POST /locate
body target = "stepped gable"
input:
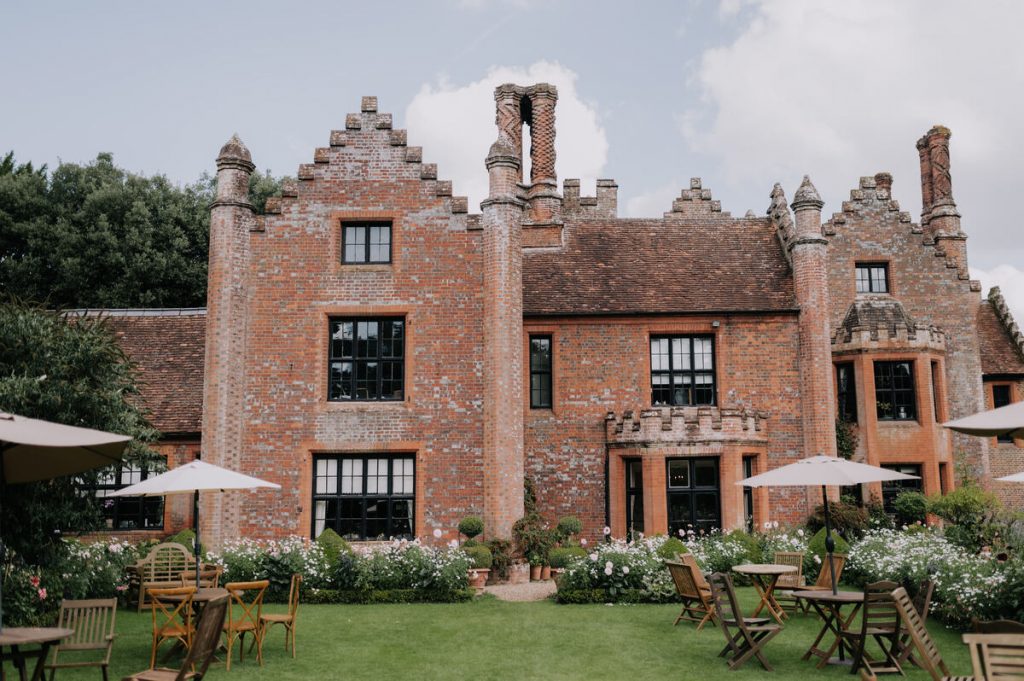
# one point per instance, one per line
(999, 338)
(368, 148)
(168, 346)
(631, 266)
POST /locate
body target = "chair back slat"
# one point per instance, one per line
(929, 655)
(165, 563)
(251, 609)
(724, 597)
(682, 577)
(698, 574)
(93, 622)
(795, 559)
(209, 577)
(293, 595)
(879, 609)
(206, 640)
(923, 598)
(997, 657)
(824, 576)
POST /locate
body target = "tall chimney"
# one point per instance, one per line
(938, 209)
(545, 203)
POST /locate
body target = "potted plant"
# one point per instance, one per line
(560, 558)
(482, 561)
(534, 540)
(536, 566)
(471, 526)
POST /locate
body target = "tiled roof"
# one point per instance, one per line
(617, 266)
(168, 346)
(999, 353)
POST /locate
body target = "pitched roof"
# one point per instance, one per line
(169, 348)
(999, 353)
(630, 266)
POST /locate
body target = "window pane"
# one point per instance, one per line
(380, 243)
(878, 280)
(355, 243)
(402, 518)
(540, 354)
(863, 280)
(659, 354)
(679, 474)
(680, 353)
(705, 473)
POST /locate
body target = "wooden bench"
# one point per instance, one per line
(162, 568)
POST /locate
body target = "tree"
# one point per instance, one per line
(97, 236)
(69, 370)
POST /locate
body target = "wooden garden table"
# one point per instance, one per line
(830, 607)
(12, 638)
(765, 576)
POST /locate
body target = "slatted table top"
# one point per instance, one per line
(764, 569)
(20, 636)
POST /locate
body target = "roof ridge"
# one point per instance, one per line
(136, 311)
(1005, 317)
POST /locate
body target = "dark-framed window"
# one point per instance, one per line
(1001, 398)
(634, 497)
(365, 242)
(694, 500)
(893, 488)
(872, 278)
(682, 370)
(935, 390)
(748, 492)
(365, 497)
(366, 359)
(846, 393)
(894, 391)
(540, 372)
(126, 513)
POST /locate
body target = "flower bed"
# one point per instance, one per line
(617, 571)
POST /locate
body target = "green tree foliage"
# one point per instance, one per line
(96, 235)
(68, 370)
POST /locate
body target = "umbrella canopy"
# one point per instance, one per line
(1016, 477)
(196, 476)
(823, 470)
(1008, 420)
(31, 449)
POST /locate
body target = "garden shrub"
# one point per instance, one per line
(848, 520)
(533, 538)
(562, 556)
(333, 546)
(471, 526)
(620, 570)
(248, 560)
(972, 512)
(671, 548)
(501, 553)
(480, 556)
(186, 538)
(910, 507)
(717, 552)
(568, 527)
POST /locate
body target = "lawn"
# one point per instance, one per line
(491, 639)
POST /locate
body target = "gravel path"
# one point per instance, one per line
(530, 591)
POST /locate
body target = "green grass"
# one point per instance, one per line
(491, 639)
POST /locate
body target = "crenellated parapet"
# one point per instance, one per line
(696, 202)
(686, 425)
(883, 324)
(604, 205)
(368, 146)
(1002, 310)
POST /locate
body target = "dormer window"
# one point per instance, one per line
(366, 242)
(872, 278)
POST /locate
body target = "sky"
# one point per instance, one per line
(742, 93)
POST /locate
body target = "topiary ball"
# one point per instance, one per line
(471, 526)
(480, 555)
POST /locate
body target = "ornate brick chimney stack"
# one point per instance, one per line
(939, 215)
(503, 333)
(231, 216)
(809, 253)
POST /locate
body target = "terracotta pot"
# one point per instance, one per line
(556, 574)
(478, 578)
(535, 571)
(545, 573)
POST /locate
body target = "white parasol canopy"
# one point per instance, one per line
(194, 477)
(33, 449)
(1016, 477)
(1008, 420)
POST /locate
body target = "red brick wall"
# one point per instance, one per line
(1007, 458)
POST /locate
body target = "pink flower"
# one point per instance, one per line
(42, 594)
(608, 571)
(607, 530)
(34, 581)
(625, 569)
(593, 557)
(121, 587)
(682, 532)
(583, 542)
(437, 533)
(609, 565)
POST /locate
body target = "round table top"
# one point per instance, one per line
(764, 569)
(201, 595)
(826, 595)
(18, 636)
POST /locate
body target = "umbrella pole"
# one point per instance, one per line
(195, 525)
(830, 543)
(3, 548)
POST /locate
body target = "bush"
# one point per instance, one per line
(407, 565)
(568, 527)
(848, 520)
(186, 538)
(973, 514)
(471, 526)
(480, 556)
(563, 556)
(910, 507)
(501, 551)
(355, 597)
(671, 548)
(533, 538)
(333, 546)
(249, 560)
(717, 552)
(617, 571)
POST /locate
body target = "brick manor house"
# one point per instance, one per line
(396, 362)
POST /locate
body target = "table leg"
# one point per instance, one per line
(775, 606)
(18, 659)
(837, 624)
(826, 618)
(765, 585)
(40, 671)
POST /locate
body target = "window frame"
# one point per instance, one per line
(1002, 439)
(390, 496)
(355, 360)
(537, 374)
(871, 282)
(690, 492)
(366, 227)
(692, 372)
(116, 505)
(846, 397)
(892, 391)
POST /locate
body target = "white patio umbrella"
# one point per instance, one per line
(825, 471)
(194, 477)
(1008, 420)
(1016, 477)
(33, 450)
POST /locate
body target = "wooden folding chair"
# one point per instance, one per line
(745, 637)
(209, 577)
(698, 575)
(93, 624)
(997, 627)
(697, 605)
(288, 620)
(879, 621)
(997, 657)
(788, 583)
(172, 618)
(922, 641)
(824, 580)
(923, 605)
(249, 620)
(207, 637)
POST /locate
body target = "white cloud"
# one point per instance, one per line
(1010, 281)
(455, 126)
(844, 89)
(657, 201)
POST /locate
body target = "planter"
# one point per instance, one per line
(478, 579)
(545, 573)
(535, 571)
(518, 573)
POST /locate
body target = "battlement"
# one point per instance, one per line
(367, 146)
(686, 425)
(1002, 310)
(696, 202)
(881, 323)
(604, 205)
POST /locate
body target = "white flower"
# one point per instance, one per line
(609, 565)
(799, 533)
(437, 533)
(583, 541)
(608, 571)
(454, 544)
(593, 557)
(681, 532)
(625, 569)
(775, 524)
(607, 530)
(817, 559)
